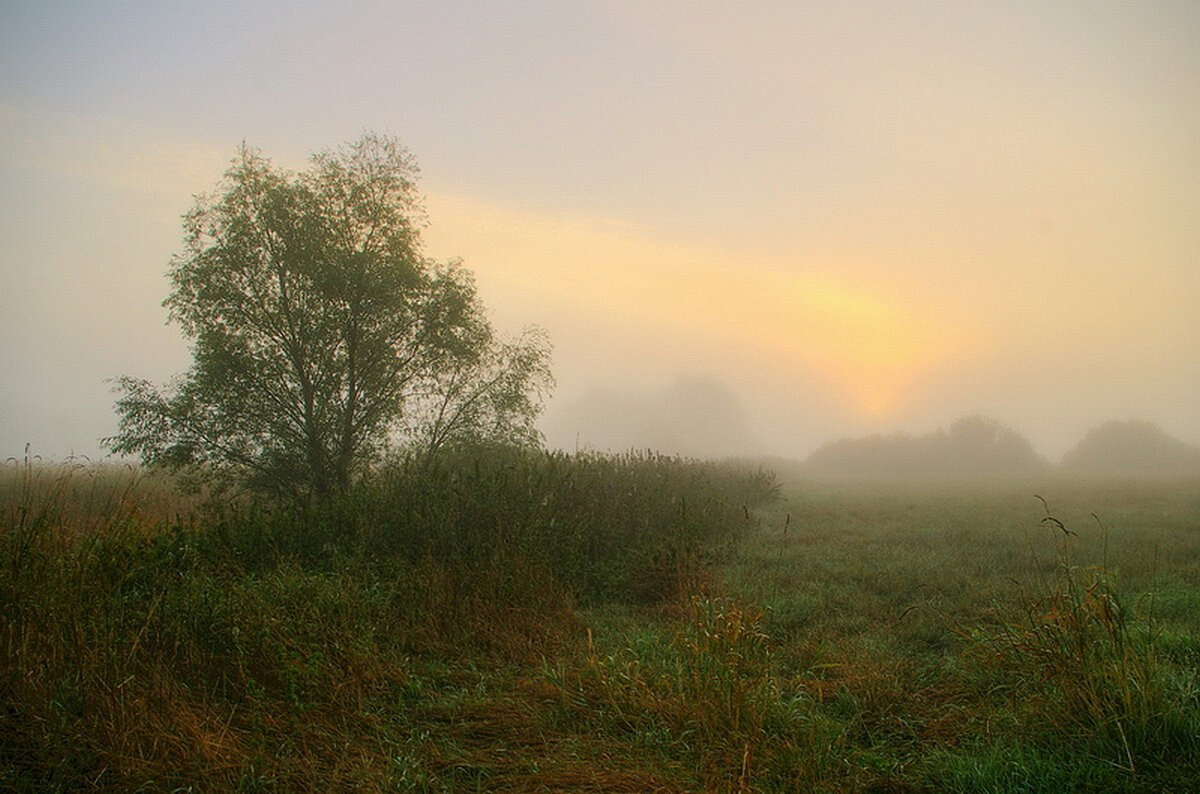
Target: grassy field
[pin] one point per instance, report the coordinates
(955, 637)
(509, 621)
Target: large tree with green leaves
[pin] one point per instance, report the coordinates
(321, 334)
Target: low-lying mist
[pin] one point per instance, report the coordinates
(702, 417)
(693, 416)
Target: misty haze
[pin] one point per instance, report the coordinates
(601, 396)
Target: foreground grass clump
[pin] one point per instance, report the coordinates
(151, 642)
(1092, 669)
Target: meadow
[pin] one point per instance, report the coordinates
(502, 620)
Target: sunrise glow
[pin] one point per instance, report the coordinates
(849, 219)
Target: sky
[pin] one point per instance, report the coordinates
(747, 227)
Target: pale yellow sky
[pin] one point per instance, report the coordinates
(869, 346)
(845, 217)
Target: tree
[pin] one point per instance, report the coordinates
(1132, 447)
(974, 445)
(979, 444)
(320, 333)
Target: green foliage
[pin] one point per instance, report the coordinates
(320, 332)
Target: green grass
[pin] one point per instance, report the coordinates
(508, 621)
(971, 643)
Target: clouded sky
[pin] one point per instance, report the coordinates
(746, 226)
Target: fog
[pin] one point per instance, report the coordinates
(747, 230)
(692, 417)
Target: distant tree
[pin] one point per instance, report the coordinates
(981, 444)
(693, 416)
(974, 445)
(1132, 447)
(320, 333)
(873, 456)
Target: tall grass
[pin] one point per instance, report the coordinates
(1086, 663)
(630, 527)
(160, 643)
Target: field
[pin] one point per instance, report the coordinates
(509, 621)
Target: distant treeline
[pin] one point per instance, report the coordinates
(978, 446)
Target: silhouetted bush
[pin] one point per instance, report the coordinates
(973, 446)
(1132, 447)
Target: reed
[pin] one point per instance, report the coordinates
(152, 639)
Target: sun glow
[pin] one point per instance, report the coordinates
(870, 350)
